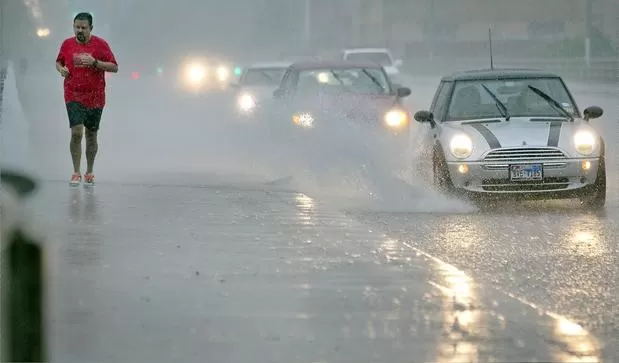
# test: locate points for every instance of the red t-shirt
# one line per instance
(85, 84)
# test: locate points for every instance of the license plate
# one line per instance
(526, 172)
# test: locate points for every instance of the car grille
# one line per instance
(505, 185)
(525, 154)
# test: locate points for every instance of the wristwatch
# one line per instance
(94, 64)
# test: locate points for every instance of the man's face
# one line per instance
(82, 30)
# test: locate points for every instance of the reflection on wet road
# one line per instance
(562, 260)
(214, 274)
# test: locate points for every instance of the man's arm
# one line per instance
(106, 66)
(62, 69)
(61, 61)
(108, 61)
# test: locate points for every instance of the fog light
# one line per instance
(463, 168)
(586, 165)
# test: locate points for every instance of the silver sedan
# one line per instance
(512, 133)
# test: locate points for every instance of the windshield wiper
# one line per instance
(337, 77)
(374, 80)
(266, 75)
(551, 101)
(500, 105)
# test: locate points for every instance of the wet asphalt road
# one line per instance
(179, 271)
(169, 273)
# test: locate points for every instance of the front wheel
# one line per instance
(441, 178)
(595, 199)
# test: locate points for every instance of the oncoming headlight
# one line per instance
(584, 141)
(461, 146)
(223, 73)
(195, 73)
(304, 120)
(246, 102)
(396, 118)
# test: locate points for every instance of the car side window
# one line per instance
(436, 96)
(242, 77)
(441, 99)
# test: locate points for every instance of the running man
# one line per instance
(83, 61)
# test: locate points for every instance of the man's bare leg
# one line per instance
(75, 146)
(91, 150)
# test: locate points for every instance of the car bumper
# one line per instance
(560, 177)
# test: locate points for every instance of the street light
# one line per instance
(43, 32)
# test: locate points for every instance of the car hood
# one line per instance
(258, 92)
(351, 106)
(519, 132)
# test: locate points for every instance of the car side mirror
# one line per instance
(398, 63)
(279, 93)
(592, 112)
(402, 92)
(424, 116)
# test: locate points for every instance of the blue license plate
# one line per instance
(526, 172)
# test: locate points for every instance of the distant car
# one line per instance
(381, 56)
(512, 133)
(193, 74)
(256, 84)
(322, 101)
(205, 73)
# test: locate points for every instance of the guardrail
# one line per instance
(599, 70)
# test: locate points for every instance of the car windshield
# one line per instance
(381, 58)
(263, 76)
(471, 101)
(350, 80)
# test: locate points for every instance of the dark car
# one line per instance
(324, 94)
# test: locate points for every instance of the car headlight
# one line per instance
(223, 73)
(584, 141)
(304, 120)
(246, 102)
(195, 73)
(461, 146)
(396, 119)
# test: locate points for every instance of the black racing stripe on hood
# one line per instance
(492, 141)
(554, 133)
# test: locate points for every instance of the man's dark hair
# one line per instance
(84, 16)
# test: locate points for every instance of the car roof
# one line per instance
(366, 50)
(498, 73)
(334, 64)
(269, 65)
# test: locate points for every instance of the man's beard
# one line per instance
(81, 37)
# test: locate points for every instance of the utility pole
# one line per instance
(588, 31)
(308, 23)
(432, 27)
(3, 52)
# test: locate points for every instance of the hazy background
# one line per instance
(150, 124)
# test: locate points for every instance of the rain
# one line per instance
(316, 181)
